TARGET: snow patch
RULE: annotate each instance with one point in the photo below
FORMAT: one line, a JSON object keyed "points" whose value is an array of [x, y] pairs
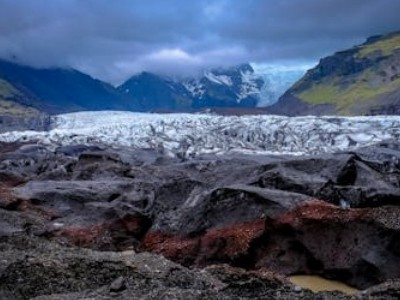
{"points": [[249, 86], [218, 79], [195, 88]]}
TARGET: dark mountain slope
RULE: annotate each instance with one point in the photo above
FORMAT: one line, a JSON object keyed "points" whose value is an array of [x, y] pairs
{"points": [[151, 92], [57, 90]]}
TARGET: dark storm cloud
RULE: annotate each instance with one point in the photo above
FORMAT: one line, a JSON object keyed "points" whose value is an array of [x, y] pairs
{"points": [[311, 28], [114, 39]]}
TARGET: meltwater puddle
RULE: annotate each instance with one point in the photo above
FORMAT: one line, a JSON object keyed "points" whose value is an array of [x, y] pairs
{"points": [[319, 284]]}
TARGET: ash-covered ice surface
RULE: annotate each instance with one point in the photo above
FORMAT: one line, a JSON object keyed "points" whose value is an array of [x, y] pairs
{"points": [[192, 134]]}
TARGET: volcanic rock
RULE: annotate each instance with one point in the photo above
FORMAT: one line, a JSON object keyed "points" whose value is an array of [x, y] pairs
{"points": [[333, 215]]}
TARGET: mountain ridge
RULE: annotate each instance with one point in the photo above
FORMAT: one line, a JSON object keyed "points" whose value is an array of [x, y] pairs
{"points": [[363, 80], [232, 87], [56, 90], [29, 91]]}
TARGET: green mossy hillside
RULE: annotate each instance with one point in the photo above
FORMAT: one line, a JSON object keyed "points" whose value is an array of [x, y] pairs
{"points": [[14, 109], [7, 90], [354, 81], [384, 47]]}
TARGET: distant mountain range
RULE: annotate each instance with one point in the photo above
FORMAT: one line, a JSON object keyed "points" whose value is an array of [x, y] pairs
{"points": [[363, 80], [28, 91], [230, 87]]}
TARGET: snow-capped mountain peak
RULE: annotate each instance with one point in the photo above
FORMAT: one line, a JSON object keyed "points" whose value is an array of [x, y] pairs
{"points": [[263, 82], [237, 83], [245, 85]]}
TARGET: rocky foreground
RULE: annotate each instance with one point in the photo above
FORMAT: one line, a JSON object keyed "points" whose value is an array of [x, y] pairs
{"points": [[90, 222]]}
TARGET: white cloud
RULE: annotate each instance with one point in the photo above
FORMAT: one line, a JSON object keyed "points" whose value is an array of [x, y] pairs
{"points": [[174, 55]]}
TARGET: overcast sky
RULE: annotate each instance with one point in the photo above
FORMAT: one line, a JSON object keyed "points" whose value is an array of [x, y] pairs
{"points": [[112, 40]]}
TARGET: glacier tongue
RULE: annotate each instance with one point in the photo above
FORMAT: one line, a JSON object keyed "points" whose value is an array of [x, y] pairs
{"points": [[277, 79], [192, 134]]}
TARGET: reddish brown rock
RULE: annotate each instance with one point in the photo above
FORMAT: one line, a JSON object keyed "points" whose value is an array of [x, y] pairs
{"points": [[179, 249], [227, 244], [37, 210], [317, 210], [357, 246], [7, 199], [119, 234], [230, 244], [84, 236]]}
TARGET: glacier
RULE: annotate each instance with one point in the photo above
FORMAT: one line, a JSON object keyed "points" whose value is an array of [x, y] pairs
{"points": [[194, 134], [278, 78]]}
